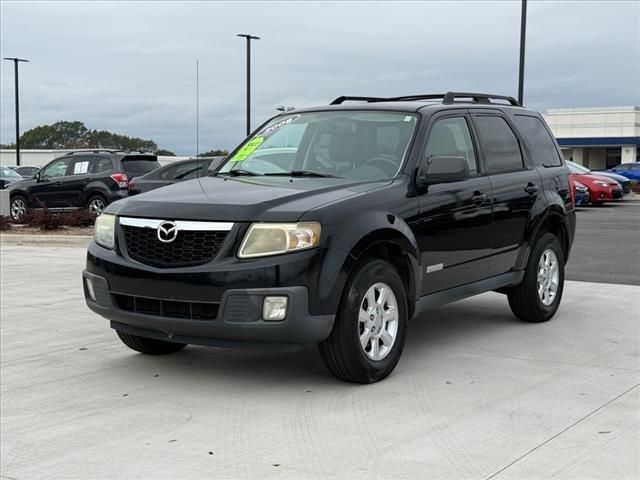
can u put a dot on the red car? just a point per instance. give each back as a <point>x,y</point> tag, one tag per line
<point>601,189</point>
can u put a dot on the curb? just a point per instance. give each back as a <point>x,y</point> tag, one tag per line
<point>45,240</point>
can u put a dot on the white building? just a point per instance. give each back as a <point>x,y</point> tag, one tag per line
<point>598,138</point>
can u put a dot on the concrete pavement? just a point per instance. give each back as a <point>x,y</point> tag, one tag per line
<point>477,394</point>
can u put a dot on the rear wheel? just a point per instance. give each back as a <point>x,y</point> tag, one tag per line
<point>149,346</point>
<point>96,205</point>
<point>369,333</point>
<point>18,207</point>
<point>537,298</point>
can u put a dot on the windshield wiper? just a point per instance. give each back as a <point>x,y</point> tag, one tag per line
<point>239,172</point>
<point>301,173</point>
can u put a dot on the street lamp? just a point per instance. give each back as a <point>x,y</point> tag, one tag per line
<point>249,38</point>
<point>15,70</point>
<point>523,34</point>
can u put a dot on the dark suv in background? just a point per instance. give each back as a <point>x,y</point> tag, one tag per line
<point>82,179</point>
<point>336,225</point>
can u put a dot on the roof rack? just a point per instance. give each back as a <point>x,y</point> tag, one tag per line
<point>94,150</point>
<point>447,98</point>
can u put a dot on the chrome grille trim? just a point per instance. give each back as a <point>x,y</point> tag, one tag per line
<point>181,224</point>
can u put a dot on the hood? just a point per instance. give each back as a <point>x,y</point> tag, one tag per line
<point>242,199</point>
<point>588,179</point>
<point>615,176</point>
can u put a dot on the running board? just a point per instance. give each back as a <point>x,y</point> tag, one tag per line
<point>438,299</point>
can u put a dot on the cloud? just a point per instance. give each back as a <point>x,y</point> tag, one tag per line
<point>130,67</point>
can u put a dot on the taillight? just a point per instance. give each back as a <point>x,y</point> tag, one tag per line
<point>121,179</point>
<point>572,191</point>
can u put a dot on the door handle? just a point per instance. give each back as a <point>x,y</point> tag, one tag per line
<point>86,180</point>
<point>57,184</point>
<point>479,197</point>
<point>531,188</point>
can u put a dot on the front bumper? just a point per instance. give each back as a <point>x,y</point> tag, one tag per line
<point>236,321</point>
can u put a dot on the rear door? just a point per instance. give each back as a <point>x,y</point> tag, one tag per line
<point>515,186</point>
<point>454,225</point>
<point>80,176</point>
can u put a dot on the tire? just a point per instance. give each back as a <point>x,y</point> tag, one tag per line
<point>18,207</point>
<point>96,204</point>
<point>525,300</point>
<point>342,352</point>
<point>149,346</point>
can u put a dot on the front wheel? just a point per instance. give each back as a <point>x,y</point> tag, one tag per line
<point>369,333</point>
<point>537,298</point>
<point>149,346</point>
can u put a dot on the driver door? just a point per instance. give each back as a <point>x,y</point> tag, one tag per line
<point>454,229</point>
<point>49,190</point>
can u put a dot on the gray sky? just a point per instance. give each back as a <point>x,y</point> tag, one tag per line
<point>129,67</point>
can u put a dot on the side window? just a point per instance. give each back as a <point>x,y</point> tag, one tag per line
<point>450,137</point>
<point>57,168</point>
<point>101,165</point>
<point>543,149</point>
<point>499,143</point>
<point>80,165</point>
<point>182,171</point>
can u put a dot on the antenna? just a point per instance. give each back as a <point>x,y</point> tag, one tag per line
<point>197,108</point>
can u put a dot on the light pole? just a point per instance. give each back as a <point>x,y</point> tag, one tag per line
<point>16,60</point>
<point>249,38</point>
<point>523,35</point>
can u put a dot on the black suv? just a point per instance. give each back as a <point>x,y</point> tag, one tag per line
<point>82,179</point>
<point>336,225</point>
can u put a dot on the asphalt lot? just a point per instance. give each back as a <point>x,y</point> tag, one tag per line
<point>607,245</point>
<point>477,394</point>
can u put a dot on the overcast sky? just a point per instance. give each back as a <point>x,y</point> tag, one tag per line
<point>129,67</point>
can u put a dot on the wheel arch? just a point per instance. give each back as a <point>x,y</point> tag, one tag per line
<point>554,221</point>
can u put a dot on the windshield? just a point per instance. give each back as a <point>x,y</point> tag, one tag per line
<point>348,144</point>
<point>7,172</point>
<point>577,169</point>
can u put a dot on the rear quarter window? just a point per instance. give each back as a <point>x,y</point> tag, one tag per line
<point>499,144</point>
<point>540,143</point>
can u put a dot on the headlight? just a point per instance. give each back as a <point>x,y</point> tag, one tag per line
<point>601,184</point>
<point>104,231</point>
<point>274,238</point>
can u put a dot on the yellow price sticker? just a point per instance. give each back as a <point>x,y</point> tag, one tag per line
<point>247,149</point>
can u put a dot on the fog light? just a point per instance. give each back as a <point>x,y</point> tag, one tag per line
<point>274,308</point>
<point>92,294</point>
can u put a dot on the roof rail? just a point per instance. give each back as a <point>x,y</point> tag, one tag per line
<point>347,98</point>
<point>94,150</point>
<point>451,97</point>
<point>447,98</point>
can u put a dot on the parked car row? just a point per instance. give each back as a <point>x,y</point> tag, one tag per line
<point>95,178</point>
<point>601,187</point>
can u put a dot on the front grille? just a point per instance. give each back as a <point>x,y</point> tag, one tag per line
<point>191,247</point>
<point>166,308</point>
<point>616,194</point>
<point>626,187</point>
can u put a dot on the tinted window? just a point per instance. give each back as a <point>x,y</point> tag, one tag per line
<point>186,170</point>
<point>450,137</point>
<point>57,168</point>
<point>101,165</point>
<point>499,143</point>
<point>139,164</point>
<point>165,173</point>
<point>7,172</point>
<point>543,148</point>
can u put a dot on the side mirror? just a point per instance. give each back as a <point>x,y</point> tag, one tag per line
<point>442,170</point>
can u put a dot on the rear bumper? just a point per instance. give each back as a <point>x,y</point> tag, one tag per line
<point>236,321</point>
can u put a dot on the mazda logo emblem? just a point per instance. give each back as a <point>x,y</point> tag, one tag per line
<point>167,232</point>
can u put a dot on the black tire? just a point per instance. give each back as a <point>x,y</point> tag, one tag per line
<point>524,300</point>
<point>149,346</point>
<point>15,199</point>
<point>94,200</point>
<point>342,352</point>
